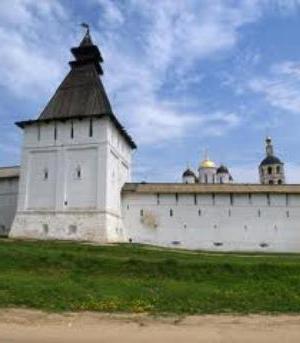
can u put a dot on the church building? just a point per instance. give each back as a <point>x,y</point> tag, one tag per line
<point>74,183</point>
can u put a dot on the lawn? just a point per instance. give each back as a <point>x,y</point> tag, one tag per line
<point>61,276</point>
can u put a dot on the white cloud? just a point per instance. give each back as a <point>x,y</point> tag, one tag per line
<point>281,87</point>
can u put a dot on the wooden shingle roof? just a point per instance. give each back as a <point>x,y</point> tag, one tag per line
<point>81,94</point>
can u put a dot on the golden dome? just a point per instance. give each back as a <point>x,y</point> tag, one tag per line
<point>207,164</point>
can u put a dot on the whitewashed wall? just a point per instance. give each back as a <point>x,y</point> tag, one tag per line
<point>53,199</point>
<point>8,202</point>
<point>214,222</point>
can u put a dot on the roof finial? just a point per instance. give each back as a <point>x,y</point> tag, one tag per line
<point>87,27</point>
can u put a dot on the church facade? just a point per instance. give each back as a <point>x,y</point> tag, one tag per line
<point>74,183</point>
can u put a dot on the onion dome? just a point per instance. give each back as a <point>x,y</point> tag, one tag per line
<point>270,160</point>
<point>188,173</point>
<point>207,164</point>
<point>222,170</point>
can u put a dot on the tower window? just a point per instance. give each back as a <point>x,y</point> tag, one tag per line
<point>78,172</point>
<point>278,169</point>
<point>271,182</point>
<point>231,199</point>
<point>206,178</point>
<point>279,182</point>
<point>55,132</point>
<point>171,213</point>
<point>46,174</point>
<point>270,170</point>
<point>72,130</point>
<point>91,128</point>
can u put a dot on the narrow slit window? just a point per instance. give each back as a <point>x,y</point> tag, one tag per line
<point>259,213</point>
<point>213,198</point>
<point>195,199</point>
<point>157,199</point>
<point>141,213</point>
<point>229,213</point>
<point>231,199</point>
<point>46,174</point>
<point>171,213</point>
<point>78,172</point>
<point>287,200</point>
<point>250,198</point>
<point>176,198</point>
<point>55,132</point>
<point>199,213</point>
<point>91,128</point>
<point>72,130</point>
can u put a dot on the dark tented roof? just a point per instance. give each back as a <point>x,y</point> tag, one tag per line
<point>270,160</point>
<point>81,94</point>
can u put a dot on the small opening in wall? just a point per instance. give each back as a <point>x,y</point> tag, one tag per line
<point>195,199</point>
<point>184,226</point>
<point>130,240</point>
<point>259,212</point>
<point>231,199</point>
<point>245,227</point>
<point>288,214</point>
<point>279,182</point>
<point>78,172</point>
<point>127,207</point>
<point>229,213</point>
<point>264,245</point>
<point>176,242</point>
<point>72,130</point>
<point>199,213</point>
<point>250,198</point>
<point>72,229</point>
<point>91,128</point>
<point>271,182</point>
<point>218,244</point>
<point>176,198</point>
<point>45,229</point>
<point>215,226</point>
<point>287,200</point>
<point>213,198</point>
<point>46,174</point>
<point>278,170</point>
<point>171,213</point>
<point>141,213</point>
<point>55,131</point>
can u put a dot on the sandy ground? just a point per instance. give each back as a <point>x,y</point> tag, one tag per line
<point>24,326</point>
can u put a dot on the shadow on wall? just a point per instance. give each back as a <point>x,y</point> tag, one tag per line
<point>3,231</point>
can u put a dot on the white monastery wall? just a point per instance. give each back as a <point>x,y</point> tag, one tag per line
<point>221,222</point>
<point>8,202</point>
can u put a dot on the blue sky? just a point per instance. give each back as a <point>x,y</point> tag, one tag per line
<point>182,76</point>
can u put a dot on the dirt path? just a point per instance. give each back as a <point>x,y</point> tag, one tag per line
<point>23,326</point>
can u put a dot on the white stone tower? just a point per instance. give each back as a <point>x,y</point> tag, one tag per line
<point>271,169</point>
<point>188,176</point>
<point>76,157</point>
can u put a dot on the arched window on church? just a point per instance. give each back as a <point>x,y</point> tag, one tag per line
<point>278,169</point>
<point>279,182</point>
<point>271,182</point>
<point>205,178</point>
<point>269,170</point>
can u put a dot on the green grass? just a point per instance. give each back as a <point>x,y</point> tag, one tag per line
<point>59,276</point>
